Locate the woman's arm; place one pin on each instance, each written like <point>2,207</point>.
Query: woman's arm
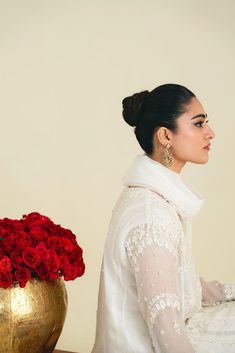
<point>214,292</point>
<point>152,253</point>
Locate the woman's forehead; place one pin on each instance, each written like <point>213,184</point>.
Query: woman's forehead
<point>194,110</point>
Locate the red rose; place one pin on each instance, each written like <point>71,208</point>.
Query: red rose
<point>31,217</point>
<point>43,252</point>
<point>54,275</point>
<point>22,240</point>
<point>70,273</point>
<point>31,257</point>
<point>76,254</point>
<point>22,275</point>
<point>66,244</point>
<point>5,264</point>
<point>80,268</point>
<point>10,226</point>
<point>16,259</point>
<point>42,270</point>
<point>35,218</point>
<point>52,228</point>
<point>54,243</point>
<point>57,230</point>
<point>64,261</point>
<point>53,262</point>
<point>3,230</point>
<point>36,247</point>
<point>66,233</point>
<point>38,235</point>
<point>8,242</point>
<point>6,279</point>
<point>2,253</point>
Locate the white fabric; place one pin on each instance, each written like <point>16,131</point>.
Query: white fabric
<point>151,174</point>
<point>150,298</point>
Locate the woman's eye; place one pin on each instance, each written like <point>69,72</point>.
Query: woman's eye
<point>200,123</point>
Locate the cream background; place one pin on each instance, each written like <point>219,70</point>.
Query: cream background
<point>65,67</point>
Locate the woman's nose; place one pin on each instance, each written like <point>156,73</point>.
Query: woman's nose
<point>210,133</point>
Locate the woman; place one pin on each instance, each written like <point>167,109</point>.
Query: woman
<point>150,298</point>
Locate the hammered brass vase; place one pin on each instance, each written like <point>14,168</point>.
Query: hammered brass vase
<point>32,318</point>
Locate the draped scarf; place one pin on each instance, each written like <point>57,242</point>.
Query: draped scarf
<point>148,173</point>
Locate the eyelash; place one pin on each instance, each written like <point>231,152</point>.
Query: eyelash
<point>201,122</point>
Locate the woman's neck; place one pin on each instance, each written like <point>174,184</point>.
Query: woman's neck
<point>175,167</point>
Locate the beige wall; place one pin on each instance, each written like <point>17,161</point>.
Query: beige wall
<point>65,67</point>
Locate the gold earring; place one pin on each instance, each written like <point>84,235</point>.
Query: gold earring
<point>167,156</point>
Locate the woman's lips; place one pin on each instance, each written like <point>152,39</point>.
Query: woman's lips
<point>207,147</point>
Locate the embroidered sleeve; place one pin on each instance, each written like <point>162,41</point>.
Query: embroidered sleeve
<point>152,251</point>
<point>214,292</point>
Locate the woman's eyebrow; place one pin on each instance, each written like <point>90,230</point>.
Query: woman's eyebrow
<point>199,116</point>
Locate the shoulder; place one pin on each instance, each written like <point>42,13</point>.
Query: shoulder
<point>147,206</point>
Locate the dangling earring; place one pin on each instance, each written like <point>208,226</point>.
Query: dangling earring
<point>167,156</point>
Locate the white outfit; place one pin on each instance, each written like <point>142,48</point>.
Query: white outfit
<point>150,298</point>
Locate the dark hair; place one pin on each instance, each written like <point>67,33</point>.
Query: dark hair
<point>148,111</point>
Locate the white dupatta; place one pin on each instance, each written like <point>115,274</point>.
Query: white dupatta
<point>150,174</point>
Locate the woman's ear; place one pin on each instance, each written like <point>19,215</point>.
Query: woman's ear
<point>163,135</point>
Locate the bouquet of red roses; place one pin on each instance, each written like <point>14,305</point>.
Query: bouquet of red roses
<point>35,247</point>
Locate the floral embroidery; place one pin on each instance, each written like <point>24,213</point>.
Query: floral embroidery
<point>159,296</point>
<point>229,290</point>
<point>176,327</point>
<point>151,234</point>
<point>161,302</point>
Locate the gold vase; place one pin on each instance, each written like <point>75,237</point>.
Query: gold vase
<point>32,318</point>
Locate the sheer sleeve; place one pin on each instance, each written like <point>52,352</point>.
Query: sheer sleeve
<point>214,292</point>
<point>152,251</point>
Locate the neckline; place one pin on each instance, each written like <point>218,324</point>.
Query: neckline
<point>164,168</point>
<point>151,174</point>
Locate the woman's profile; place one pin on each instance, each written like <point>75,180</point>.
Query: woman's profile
<point>150,297</point>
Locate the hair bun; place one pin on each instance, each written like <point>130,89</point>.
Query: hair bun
<point>132,107</point>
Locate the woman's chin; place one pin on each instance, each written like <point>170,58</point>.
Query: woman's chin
<point>203,160</point>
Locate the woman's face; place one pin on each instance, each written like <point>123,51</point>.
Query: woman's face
<point>193,135</point>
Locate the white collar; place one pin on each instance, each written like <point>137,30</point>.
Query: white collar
<point>151,174</point>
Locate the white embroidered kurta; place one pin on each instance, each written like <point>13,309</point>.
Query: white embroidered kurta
<point>150,298</point>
